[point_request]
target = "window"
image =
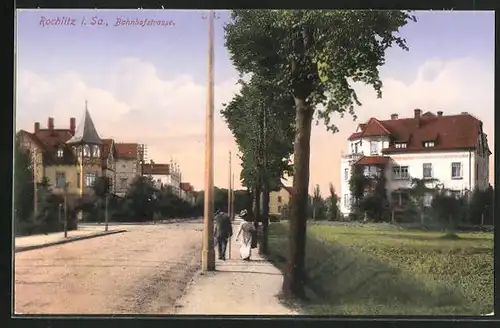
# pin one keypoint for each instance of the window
(373, 147)
(429, 144)
(400, 173)
(90, 179)
(78, 177)
(60, 179)
(427, 200)
(123, 183)
(96, 152)
(86, 151)
(60, 153)
(400, 144)
(456, 170)
(347, 200)
(279, 199)
(427, 170)
(346, 174)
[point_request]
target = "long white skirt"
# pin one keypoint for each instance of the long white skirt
(245, 251)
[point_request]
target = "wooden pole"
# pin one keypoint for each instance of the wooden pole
(106, 217)
(232, 197)
(208, 253)
(65, 214)
(35, 183)
(229, 209)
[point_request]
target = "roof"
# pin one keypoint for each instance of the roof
(107, 145)
(127, 150)
(450, 132)
(86, 131)
(186, 186)
(156, 169)
(373, 160)
(49, 141)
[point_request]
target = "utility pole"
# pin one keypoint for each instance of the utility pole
(106, 216)
(35, 182)
(232, 198)
(65, 210)
(208, 253)
(229, 204)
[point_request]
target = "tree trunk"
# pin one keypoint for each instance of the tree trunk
(256, 203)
(293, 283)
(263, 248)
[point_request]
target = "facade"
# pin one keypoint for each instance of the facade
(187, 192)
(160, 173)
(277, 199)
(127, 166)
(448, 150)
(72, 157)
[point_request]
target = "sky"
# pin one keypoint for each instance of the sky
(147, 84)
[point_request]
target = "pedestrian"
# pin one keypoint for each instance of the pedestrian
(247, 229)
(223, 231)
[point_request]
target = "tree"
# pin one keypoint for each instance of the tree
(449, 209)
(313, 54)
(358, 183)
(318, 204)
(333, 211)
(23, 188)
(102, 188)
(138, 200)
(419, 191)
(264, 139)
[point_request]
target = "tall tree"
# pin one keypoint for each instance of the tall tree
(333, 204)
(314, 55)
(264, 138)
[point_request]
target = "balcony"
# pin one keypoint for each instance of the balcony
(352, 156)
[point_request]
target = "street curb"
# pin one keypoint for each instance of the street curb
(65, 241)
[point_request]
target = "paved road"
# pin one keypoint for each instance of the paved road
(142, 271)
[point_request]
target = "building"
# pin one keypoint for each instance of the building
(127, 165)
(72, 157)
(187, 192)
(160, 174)
(448, 150)
(69, 158)
(278, 199)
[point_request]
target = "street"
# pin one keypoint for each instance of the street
(141, 271)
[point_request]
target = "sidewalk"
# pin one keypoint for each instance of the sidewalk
(44, 240)
(237, 288)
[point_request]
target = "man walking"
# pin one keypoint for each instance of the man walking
(223, 231)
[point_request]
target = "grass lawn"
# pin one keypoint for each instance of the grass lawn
(368, 270)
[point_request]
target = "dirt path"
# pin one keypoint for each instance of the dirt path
(142, 271)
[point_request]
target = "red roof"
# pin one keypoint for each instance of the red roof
(373, 160)
(156, 169)
(126, 150)
(447, 132)
(186, 186)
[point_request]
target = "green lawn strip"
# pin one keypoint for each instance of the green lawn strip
(353, 270)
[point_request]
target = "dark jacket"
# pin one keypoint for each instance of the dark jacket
(223, 226)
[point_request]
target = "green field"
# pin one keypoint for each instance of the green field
(369, 270)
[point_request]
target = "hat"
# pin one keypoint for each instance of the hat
(243, 213)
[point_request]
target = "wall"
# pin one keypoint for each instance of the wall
(71, 172)
(274, 205)
(441, 167)
(125, 169)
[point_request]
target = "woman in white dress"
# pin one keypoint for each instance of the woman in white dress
(246, 228)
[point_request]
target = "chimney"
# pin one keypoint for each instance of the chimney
(465, 113)
(418, 112)
(440, 113)
(394, 116)
(72, 125)
(50, 123)
(37, 127)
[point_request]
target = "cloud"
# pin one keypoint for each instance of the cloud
(134, 104)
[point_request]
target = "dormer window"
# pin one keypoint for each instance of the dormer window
(60, 153)
(429, 144)
(400, 144)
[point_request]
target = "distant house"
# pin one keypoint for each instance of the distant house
(453, 149)
(127, 165)
(278, 199)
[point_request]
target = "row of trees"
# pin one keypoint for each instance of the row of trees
(300, 63)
